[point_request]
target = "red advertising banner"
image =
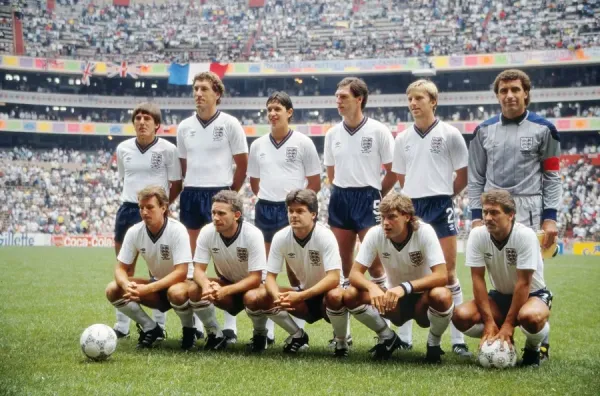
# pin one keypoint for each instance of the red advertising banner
(83, 241)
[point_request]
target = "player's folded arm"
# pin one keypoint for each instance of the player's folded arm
(329, 282)
(437, 278)
(121, 274)
(357, 277)
(200, 275)
(178, 275)
(252, 281)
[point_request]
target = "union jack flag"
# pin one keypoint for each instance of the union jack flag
(87, 71)
(123, 70)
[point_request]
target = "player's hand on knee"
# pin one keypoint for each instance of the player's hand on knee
(392, 296)
(378, 299)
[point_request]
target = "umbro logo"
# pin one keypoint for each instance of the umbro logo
(292, 255)
(143, 250)
(386, 255)
(215, 250)
(488, 255)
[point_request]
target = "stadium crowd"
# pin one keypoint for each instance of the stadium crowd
(247, 117)
(70, 191)
(232, 30)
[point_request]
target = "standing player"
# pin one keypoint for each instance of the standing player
(209, 143)
(278, 163)
(310, 250)
(518, 151)
(437, 148)
(237, 249)
(164, 244)
(511, 253)
(414, 261)
(142, 161)
(355, 151)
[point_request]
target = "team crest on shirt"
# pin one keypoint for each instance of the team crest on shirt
(314, 257)
(242, 254)
(511, 256)
(416, 258)
(526, 144)
(366, 144)
(436, 145)
(218, 133)
(156, 161)
(290, 154)
(165, 252)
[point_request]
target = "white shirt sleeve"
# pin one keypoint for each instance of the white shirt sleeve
(331, 254)
(202, 254)
(529, 250)
(173, 165)
(312, 163)
(474, 251)
(257, 256)
(368, 248)
(181, 150)
(459, 154)
(328, 158)
(253, 163)
(386, 148)
(182, 252)
(399, 164)
(128, 249)
(120, 164)
(237, 138)
(275, 260)
(434, 255)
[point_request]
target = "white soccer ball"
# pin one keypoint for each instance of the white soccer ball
(497, 355)
(98, 342)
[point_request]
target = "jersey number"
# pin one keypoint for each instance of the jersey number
(376, 211)
(450, 213)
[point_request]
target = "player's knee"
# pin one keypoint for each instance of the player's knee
(530, 318)
(177, 294)
(194, 292)
(439, 298)
(113, 291)
(350, 298)
(253, 299)
(462, 318)
(334, 299)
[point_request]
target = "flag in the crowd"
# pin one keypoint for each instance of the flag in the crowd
(184, 74)
(87, 70)
(123, 70)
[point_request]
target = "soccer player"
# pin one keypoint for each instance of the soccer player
(437, 148)
(414, 262)
(210, 143)
(237, 249)
(310, 250)
(511, 253)
(142, 161)
(518, 151)
(164, 244)
(355, 151)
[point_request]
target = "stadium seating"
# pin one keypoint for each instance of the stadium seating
(69, 191)
(230, 30)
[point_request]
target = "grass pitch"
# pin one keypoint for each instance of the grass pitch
(49, 295)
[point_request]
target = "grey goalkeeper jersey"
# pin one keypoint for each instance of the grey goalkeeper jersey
(520, 156)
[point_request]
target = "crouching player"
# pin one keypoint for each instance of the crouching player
(511, 253)
(165, 246)
(414, 262)
(237, 249)
(311, 252)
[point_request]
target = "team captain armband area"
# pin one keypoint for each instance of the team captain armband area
(50, 294)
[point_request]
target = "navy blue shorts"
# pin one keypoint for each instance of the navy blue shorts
(270, 217)
(503, 301)
(315, 309)
(238, 299)
(165, 304)
(406, 307)
(127, 215)
(196, 206)
(437, 211)
(354, 208)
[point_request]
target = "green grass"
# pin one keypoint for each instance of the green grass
(49, 295)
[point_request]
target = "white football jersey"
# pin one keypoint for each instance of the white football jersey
(521, 251)
(404, 262)
(234, 258)
(284, 166)
(438, 151)
(209, 148)
(170, 247)
(138, 167)
(358, 154)
(309, 259)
